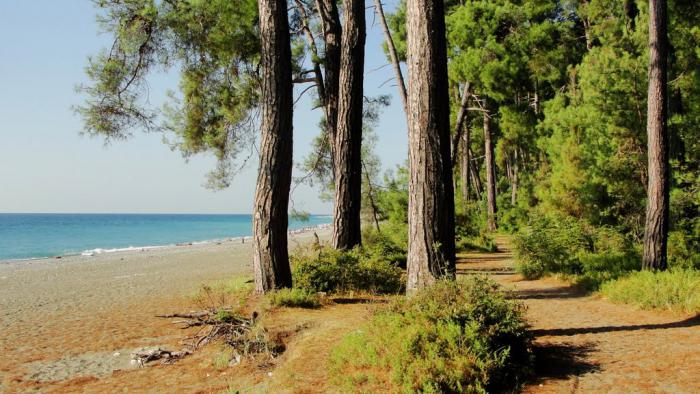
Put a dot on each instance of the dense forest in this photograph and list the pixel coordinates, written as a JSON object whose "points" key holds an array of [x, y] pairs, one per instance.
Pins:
{"points": [[572, 125]]}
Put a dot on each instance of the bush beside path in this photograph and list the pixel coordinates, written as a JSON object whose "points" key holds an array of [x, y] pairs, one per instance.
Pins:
{"points": [[585, 343]]}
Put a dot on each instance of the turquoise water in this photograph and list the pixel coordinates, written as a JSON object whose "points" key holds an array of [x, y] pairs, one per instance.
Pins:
{"points": [[26, 236]]}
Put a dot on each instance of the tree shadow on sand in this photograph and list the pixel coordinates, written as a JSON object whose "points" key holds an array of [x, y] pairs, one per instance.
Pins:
{"points": [[690, 322], [562, 292], [484, 271], [562, 361]]}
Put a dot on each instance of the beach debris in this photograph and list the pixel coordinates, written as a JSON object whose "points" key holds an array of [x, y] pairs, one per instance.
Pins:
{"points": [[144, 356], [241, 333]]}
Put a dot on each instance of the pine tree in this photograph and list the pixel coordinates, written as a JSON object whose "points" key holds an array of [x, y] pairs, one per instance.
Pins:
{"points": [[347, 144], [657, 215], [431, 243]]}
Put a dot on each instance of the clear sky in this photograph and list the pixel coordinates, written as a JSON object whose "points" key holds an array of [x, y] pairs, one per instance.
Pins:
{"points": [[47, 166]]}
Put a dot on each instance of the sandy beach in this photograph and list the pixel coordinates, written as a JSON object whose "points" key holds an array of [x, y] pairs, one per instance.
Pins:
{"points": [[61, 316]]}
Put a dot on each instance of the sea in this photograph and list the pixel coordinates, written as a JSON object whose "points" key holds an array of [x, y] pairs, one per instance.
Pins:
{"points": [[40, 235]]}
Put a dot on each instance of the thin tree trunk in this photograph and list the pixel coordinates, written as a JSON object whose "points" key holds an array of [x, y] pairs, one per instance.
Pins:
{"points": [[514, 182], [474, 176], [587, 28], [461, 120], [431, 239], [348, 139], [392, 54], [270, 219], [657, 215], [372, 202], [490, 172], [330, 23], [464, 165], [306, 28]]}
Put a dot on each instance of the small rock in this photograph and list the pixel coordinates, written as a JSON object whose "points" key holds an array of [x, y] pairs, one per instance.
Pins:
{"points": [[116, 354]]}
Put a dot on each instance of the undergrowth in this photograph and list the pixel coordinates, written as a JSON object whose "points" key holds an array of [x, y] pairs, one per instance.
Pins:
{"points": [[294, 298], [677, 290], [587, 255], [452, 337], [324, 269]]}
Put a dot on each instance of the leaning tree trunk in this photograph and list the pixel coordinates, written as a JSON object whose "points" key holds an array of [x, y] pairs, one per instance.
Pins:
{"points": [[330, 23], [348, 137], [270, 254], [490, 172], [657, 215], [431, 236], [392, 54]]}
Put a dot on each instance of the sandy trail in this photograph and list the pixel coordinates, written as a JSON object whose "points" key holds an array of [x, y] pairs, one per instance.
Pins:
{"points": [[67, 324], [586, 344]]}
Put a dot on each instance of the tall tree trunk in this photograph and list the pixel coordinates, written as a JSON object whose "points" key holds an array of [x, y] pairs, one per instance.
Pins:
{"points": [[392, 54], [474, 176], [332, 33], [657, 215], [348, 138], [514, 181], [490, 172], [431, 238], [464, 165], [270, 254]]}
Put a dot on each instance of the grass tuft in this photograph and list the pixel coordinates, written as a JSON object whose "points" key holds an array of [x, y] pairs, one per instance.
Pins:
{"points": [[294, 298], [677, 290]]}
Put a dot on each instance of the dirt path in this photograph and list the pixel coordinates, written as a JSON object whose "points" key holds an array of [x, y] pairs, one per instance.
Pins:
{"points": [[586, 344]]}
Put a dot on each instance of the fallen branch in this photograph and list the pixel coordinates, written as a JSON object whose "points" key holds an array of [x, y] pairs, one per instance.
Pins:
{"points": [[222, 324], [144, 356]]}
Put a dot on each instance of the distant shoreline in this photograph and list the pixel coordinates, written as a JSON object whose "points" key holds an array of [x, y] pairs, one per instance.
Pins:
{"points": [[130, 249]]}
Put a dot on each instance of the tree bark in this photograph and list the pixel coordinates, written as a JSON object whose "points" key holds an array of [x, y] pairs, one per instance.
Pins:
{"points": [[332, 33], [348, 138], [431, 242], [490, 172], [392, 54], [270, 219], [657, 214]]}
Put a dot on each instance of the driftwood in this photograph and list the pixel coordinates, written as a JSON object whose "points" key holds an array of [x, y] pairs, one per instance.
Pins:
{"points": [[220, 324], [144, 356]]}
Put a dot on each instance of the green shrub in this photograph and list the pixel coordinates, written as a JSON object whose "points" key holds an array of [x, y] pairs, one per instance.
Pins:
{"points": [[481, 243], [683, 250], [389, 244], [294, 298], [329, 270], [452, 337], [598, 268], [559, 244], [549, 245], [469, 219], [677, 290]]}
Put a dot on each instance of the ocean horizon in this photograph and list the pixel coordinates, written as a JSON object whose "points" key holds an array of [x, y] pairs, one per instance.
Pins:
{"points": [[25, 236]]}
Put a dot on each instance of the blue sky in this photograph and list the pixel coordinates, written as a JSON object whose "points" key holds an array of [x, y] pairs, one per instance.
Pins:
{"points": [[47, 166]]}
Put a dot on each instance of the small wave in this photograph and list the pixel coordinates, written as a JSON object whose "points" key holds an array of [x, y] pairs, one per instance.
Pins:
{"points": [[93, 252]]}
